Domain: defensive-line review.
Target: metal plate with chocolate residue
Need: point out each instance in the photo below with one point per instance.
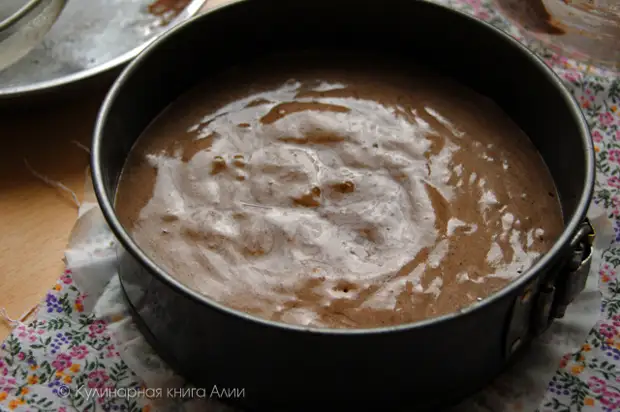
(92, 37)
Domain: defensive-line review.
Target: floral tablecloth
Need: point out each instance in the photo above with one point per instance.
(52, 362)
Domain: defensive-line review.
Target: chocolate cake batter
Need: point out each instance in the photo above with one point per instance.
(320, 192)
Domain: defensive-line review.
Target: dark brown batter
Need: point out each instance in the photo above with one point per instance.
(167, 10)
(533, 15)
(322, 193)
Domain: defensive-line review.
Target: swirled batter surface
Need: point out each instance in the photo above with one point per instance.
(325, 193)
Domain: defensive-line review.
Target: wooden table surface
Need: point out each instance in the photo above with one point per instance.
(36, 219)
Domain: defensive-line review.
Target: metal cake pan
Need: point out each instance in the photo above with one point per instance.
(425, 365)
